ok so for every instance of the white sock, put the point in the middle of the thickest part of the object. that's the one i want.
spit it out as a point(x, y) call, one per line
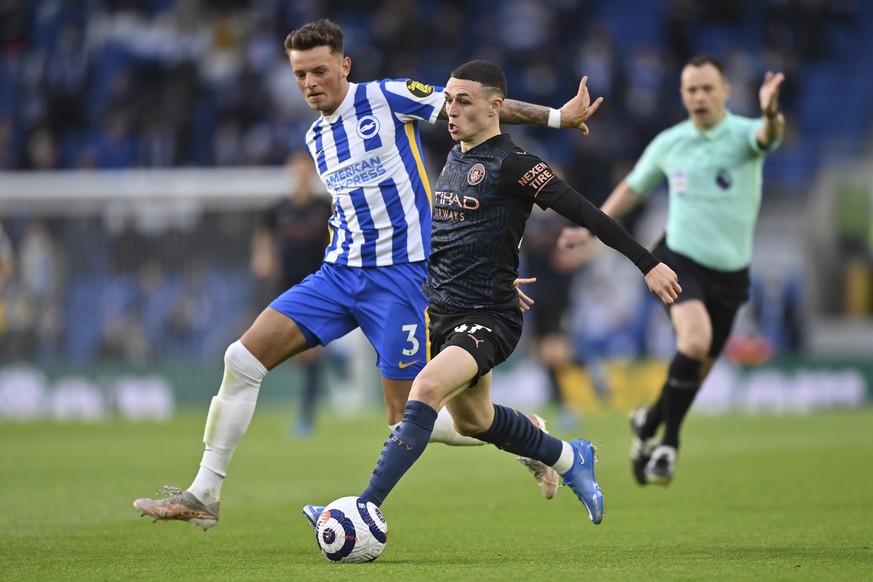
point(444, 432)
point(565, 461)
point(229, 416)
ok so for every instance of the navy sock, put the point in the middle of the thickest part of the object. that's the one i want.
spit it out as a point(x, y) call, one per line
point(401, 450)
point(514, 432)
point(682, 386)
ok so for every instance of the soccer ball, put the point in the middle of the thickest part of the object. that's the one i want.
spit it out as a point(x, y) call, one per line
point(351, 530)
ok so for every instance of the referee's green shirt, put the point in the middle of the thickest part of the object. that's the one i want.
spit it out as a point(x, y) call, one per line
point(715, 188)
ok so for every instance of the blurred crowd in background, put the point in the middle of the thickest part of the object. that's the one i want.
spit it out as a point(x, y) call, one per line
point(158, 83)
point(113, 84)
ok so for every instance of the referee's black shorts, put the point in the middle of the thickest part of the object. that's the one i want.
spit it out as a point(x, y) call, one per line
point(489, 336)
point(722, 292)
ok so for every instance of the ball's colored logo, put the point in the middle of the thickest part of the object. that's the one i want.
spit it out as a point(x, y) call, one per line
point(476, 174)
point(418, 89)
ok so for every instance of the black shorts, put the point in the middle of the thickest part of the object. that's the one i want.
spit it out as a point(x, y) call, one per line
point(488, 336)
point(722, 292)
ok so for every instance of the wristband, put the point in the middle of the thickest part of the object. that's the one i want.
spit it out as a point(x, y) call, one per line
point(554, 118)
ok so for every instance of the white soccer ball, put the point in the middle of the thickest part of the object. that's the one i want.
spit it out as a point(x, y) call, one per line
point(351, 530)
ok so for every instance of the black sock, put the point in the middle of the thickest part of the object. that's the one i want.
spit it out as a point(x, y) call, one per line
point(680, 389)
point(654, 417)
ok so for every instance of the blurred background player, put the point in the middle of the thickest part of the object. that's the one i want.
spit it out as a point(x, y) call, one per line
point(289, 246)
point(713, 164)
point(367, 150)
point(7, 258)
point(7, 269)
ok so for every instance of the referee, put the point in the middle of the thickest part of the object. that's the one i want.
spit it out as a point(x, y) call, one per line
point(712, 162)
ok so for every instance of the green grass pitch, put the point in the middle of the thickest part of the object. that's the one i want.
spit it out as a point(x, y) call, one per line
point(754, 498)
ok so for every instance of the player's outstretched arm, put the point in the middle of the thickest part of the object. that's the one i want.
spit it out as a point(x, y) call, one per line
point(660, 278)
point(572, 114)
point(620, 201)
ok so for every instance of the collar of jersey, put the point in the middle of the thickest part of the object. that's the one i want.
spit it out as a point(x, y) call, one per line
point(719, 130)
point(490, 141)
point(348, 101)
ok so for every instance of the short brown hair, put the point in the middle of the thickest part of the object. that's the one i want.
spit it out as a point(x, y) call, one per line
point(319, 33)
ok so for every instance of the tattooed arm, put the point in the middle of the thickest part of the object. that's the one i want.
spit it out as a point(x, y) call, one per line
point(573, 113)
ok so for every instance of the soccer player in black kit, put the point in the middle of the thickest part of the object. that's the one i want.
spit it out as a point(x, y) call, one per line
point(482, 200)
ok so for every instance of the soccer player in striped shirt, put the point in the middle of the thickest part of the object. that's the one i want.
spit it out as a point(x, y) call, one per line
point(367, 149)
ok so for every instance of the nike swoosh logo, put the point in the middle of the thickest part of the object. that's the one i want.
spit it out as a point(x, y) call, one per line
point(581, 459)
point(318, 153)
point(407, 364)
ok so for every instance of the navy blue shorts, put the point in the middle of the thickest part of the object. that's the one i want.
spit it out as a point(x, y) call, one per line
point(489, 336)
point(385, 302)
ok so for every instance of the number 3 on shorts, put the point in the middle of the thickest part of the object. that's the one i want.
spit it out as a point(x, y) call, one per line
point(411, 339)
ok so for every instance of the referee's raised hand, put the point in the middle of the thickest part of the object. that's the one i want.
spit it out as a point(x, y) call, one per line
point(768, 94)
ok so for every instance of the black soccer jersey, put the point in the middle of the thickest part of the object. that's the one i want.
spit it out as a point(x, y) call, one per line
point(482, 200)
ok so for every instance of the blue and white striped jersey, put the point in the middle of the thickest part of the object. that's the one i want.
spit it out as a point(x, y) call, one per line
point(368, 153)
